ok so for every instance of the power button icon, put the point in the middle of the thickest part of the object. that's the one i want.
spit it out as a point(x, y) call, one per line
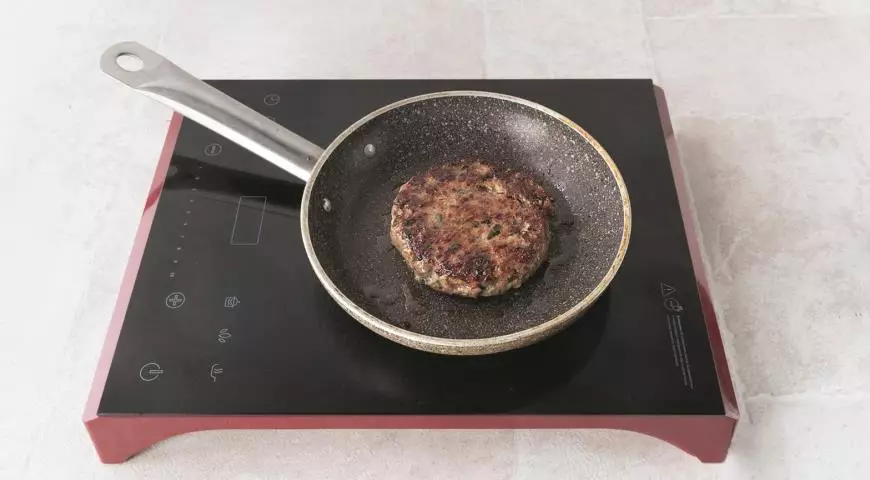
point(150, 371)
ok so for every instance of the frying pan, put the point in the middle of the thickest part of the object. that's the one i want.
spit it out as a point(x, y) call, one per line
point(350, 185)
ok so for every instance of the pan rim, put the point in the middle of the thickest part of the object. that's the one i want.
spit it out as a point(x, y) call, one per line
point(466, 346)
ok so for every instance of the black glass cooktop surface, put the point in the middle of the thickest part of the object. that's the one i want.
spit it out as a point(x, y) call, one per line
point(226, 316)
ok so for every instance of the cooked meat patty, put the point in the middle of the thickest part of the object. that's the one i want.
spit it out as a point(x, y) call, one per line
point(466, 229)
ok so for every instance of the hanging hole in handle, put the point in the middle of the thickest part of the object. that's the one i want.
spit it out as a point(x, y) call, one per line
point(129, 62)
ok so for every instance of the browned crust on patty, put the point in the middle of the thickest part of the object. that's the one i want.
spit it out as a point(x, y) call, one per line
point(467, 229)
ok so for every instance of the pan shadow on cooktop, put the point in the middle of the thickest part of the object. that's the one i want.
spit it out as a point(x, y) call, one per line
point(227, 184)
point(464, 384)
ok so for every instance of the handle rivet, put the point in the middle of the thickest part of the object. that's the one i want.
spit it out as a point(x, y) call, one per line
point(129, 62)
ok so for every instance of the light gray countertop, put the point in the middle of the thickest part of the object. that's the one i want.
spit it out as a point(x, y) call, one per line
point(769, 99)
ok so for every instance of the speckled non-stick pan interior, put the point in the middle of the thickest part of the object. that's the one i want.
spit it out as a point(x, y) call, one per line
point(351, 240)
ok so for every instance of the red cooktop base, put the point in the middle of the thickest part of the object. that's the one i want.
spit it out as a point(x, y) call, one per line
point(119, 436)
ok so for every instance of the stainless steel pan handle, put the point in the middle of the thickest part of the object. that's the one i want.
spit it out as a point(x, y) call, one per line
point(167, 83)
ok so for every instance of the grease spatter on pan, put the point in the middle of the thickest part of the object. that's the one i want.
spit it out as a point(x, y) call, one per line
point(411, 303)
point(468, 229)
point(382, 295)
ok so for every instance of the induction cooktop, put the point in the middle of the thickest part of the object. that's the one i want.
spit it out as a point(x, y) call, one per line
point(221, 323)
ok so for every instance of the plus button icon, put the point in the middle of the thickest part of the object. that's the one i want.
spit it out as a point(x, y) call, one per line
point(175, 300)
